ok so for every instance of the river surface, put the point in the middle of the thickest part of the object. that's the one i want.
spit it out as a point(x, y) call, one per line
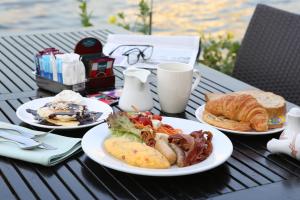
point(170, 17)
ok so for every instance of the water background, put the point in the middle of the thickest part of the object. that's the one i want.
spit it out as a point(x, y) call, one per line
point(171, 17)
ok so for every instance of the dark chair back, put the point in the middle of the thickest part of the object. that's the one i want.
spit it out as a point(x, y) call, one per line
point(269, 57)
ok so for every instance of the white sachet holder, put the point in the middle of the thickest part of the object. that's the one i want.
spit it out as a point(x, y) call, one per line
point(289, 141)
point(73, 70)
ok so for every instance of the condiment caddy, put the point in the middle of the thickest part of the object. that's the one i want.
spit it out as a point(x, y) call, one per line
point(87, 70)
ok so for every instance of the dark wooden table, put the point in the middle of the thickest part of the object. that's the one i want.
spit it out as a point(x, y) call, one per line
point(250, 173)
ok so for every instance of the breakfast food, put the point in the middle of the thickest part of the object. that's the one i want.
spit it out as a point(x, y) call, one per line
point(222, 122)
point(161, 144)
point(274, 105)
point(135, 153)
point(243, 107)
point(143, 140)
point(197, 146)
point(66, 109)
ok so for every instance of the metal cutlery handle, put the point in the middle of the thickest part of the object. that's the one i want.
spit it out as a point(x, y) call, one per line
point(32, 136)
point(22, 146)
point(22, 132)
point(18, 138)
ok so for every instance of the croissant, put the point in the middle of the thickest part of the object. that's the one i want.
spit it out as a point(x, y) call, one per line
point(242, 108)
point(222, 122)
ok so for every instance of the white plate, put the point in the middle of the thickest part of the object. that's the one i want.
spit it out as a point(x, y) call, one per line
point(199, 113)
point(92, 105)
point(92, 145)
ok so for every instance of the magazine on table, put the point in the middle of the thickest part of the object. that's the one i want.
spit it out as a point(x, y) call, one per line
point(156, 49)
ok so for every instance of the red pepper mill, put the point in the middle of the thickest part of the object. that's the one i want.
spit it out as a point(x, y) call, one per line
point(98, 67)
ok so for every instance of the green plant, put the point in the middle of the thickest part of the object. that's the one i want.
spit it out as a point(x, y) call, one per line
point(219, 52)
point(84, 15)
point(119, 20)
point(142, 23)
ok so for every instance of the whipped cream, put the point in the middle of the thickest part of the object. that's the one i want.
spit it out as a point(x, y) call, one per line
point(69, 96)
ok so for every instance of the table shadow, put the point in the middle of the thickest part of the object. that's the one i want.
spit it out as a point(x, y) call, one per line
point(212, 181)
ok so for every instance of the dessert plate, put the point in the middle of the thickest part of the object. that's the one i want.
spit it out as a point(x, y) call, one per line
point(199, 113)
point(92, 145)
point(92, 105)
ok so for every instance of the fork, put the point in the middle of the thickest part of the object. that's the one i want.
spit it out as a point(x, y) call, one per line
point(25, 133)
point(32, 136)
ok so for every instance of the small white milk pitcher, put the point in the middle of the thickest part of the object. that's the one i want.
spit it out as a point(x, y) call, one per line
point(289, 141)
point(136, 92)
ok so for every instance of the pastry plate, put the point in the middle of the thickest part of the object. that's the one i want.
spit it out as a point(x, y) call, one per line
point(92, 145)
point(92, 105)
point(199, 113)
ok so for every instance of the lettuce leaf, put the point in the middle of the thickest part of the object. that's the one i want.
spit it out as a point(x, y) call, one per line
point(120, 125)
point(118, 133)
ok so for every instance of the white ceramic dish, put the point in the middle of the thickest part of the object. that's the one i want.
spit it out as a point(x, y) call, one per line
point(92, 145)
point(92, 105)
point(199, 113)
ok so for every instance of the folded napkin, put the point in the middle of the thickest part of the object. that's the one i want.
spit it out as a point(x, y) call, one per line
point(66, 146)
point(289, 141)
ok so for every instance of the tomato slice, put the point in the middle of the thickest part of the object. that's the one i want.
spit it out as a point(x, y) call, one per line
point(145, 121)
point(157, 117)
point(148, 113)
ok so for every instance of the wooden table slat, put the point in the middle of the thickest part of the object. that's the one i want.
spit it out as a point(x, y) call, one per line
point(10, 112)
point(5, 191)
point(16, 54)
point(52, 42)
point(22, 48)
point(20, 80)
point(102, 33)
point(99, 34)
point(16, 181)
point(239, 176)
point(252, 164)
point(35, 44)
point(67, 43)
point(265, 162)
point(98, 190)
point(3, 117)
point(3, 89)
point(288, 189)
point(102, 38)
point(34, 181)
point(56, 185)
point(70, 36)
point(277, 159)
point(74, 185)
point(13, 56)
point(117, 190)
point(8, 83)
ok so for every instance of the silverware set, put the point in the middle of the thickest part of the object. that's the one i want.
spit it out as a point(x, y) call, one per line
point(24, 139)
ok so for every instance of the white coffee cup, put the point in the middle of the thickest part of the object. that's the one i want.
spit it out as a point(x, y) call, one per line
point(175, 84)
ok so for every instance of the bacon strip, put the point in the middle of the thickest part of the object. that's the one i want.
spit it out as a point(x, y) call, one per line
point(197, 146)
point(185, 142)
